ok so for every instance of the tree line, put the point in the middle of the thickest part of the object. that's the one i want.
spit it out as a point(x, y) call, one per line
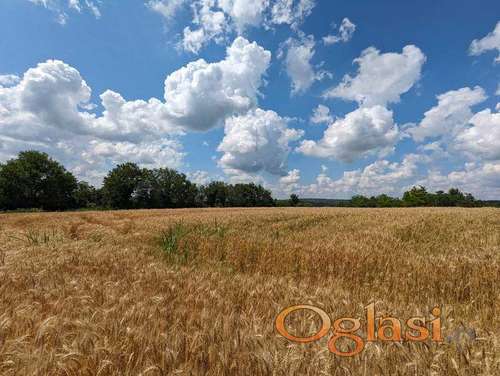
point(33, 180)
point(418, 196)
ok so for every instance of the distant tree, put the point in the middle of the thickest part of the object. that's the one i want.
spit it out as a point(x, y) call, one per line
point(216, 193)
point(3, 198)
point(173, 189)
point(294, 200)
point(121, 184)
point(145, 194)
point(470, 200)
point(264, 196)
point(441, 198)
point(417, 196)
point(33, 180)
point(360, 201)
point(244, 195)
point(86, 196)
point(456, 197)
point(164, 188)
point(241, 195)
point(385, 201)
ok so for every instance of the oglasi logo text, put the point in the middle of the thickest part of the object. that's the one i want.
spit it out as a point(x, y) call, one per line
point(388, 329)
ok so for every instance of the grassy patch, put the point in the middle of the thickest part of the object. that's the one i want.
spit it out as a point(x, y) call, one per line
point(39, 237)
point(182, 242)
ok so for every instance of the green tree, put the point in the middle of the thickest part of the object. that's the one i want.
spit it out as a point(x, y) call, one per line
point(34, 180)
point(456, 197)
point(469, 200)
point(173, 189)
point(441, 198)
point(417, 196)
point(164, 188)
point(216, 193)
point(86, 196)
point(264, 196)
point(385, 201)
point(294, 200)
point(248, 195)
point(360, 201)
point(121, 184)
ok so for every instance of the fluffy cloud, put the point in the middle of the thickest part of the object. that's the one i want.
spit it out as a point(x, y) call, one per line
point(364, 131)
point(489, 42)
point(200, 95)
point(194, 39)
point(291, 12)
point(480, 179)
point(381, 78)
point(297, 58)
point(451, 114)
point(482, 138)
point(132, 121)
point(98, 156)
point(321, 114)
point(46, 102)
point(243, 12)
point(346, 31)
point(255, 142)
point(290, 181)
point(216, 20)
point(9, 79)
point(49, 109)
point(381, 176)
point(211, 24)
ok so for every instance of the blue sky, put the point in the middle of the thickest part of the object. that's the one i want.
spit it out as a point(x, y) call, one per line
point(85, 82)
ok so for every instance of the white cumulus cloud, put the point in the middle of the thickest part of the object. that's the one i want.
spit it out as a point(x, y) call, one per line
point(378, 177)
point(217, 20)
point(201, 95)
point(290, 181)
point(245, 13)
point(482, 138)
point(365, 131)
point(291, 12)
point(298, 54)
point(489, 42)
point(209, 24)
point(49, 109)
point(450, 115)
point(381, 78)
point(480, 179)
point(257, 141)
point(9, 79)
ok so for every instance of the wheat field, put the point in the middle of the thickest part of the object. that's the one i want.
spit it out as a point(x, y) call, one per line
point(196, 291)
